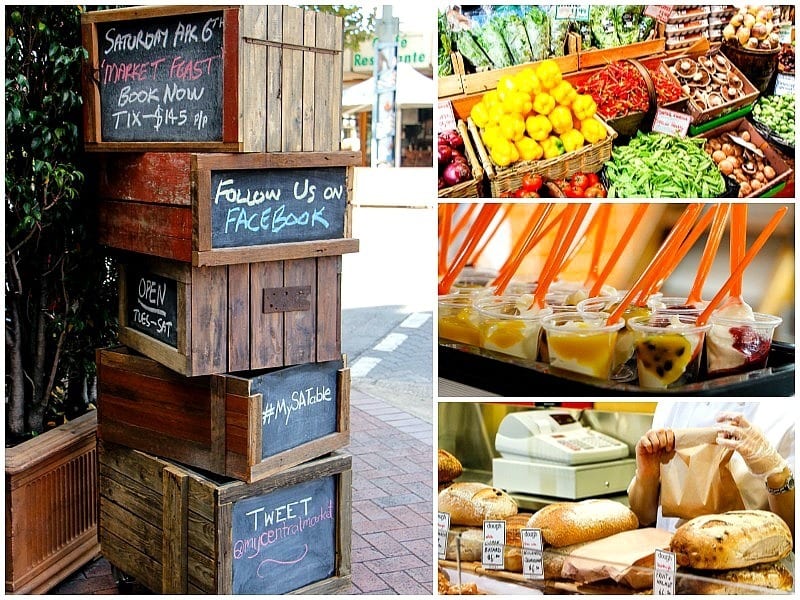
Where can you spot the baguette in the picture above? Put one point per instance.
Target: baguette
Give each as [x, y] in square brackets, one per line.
[472, 503]
[450, 467]
[566, 523]
[731, 540]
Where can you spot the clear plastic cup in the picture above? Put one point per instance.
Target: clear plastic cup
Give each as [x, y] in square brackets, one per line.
[668, 349]
[457, 319]
[506, 325]
[674, 305]
[581, 342]
[738, 345]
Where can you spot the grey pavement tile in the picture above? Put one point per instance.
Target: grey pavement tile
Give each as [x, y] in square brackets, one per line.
[403, 583]
[391, 565]
[388, 501]
[372, 526]
[407, 534]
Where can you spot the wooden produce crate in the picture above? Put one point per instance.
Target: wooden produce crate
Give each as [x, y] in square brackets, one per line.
[472, 188]
[599, 57]
[476, 83]
[213, 209]
[452, 85]
[179, 531]
[783, 171]
[222, 319]
[246, 425]
[212, 78]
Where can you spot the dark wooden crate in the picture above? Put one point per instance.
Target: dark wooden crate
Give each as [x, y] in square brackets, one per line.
[237, 317]
[246, 426]
[164, 204]
[177, 530]
[277, 71]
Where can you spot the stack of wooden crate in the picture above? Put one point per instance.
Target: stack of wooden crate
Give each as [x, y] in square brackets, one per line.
[223, 192]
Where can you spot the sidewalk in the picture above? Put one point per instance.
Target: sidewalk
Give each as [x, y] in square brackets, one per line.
[392, 548]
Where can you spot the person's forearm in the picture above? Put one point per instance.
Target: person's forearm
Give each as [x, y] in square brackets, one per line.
[782, 504]
[643, 498]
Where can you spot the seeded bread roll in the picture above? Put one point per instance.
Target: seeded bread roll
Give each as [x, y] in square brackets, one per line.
[565, 523]
[472, 503]
[450, 467]
[731, 540]
[773, 576]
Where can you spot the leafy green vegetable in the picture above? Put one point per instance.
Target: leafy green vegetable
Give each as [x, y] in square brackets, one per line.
[601, 22]
[646, 25]
[445, 63]
[516, 38]
[490, 38]
[537, 26]
[559, 29]
[626, 22]
[468, 47]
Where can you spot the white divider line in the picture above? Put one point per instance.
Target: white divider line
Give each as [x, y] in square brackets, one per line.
[363, 365]
[415, 320]
[390, 342]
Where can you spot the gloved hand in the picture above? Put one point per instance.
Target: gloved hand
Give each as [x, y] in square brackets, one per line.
[736, 432]
[653, 448]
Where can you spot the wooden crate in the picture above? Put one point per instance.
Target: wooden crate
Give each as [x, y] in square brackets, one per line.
[600, 57]
[223, 319]
[176, 530]
[213, 209]
[476, 83]
[247, 425]
[212, 78]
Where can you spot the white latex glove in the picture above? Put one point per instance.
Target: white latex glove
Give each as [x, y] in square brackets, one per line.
[736, 432]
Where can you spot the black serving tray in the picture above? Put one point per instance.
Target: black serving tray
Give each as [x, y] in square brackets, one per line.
[506, 376]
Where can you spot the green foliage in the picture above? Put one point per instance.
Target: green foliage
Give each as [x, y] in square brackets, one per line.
[60, 293]
[358, 21]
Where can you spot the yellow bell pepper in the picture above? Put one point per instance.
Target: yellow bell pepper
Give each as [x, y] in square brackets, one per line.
[552, 147]
[480, 114]
[584, 107]
[512, 126]
[572, 140]
[593, 130]
[549, 73]
[561, 118]
[502, 152]
[543, 103]
[564, 93]
[529, 149]
[528, 82]
[538, 127]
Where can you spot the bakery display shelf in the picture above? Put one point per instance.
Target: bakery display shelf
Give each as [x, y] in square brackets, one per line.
[508, 376]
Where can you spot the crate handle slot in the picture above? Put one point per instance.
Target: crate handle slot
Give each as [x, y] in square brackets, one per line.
[286, 299]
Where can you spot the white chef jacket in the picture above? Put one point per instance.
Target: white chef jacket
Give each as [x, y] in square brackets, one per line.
[775, 418]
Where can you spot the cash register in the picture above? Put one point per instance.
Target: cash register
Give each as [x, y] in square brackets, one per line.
[550, 453]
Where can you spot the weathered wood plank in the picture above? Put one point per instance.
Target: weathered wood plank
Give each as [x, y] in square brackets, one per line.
[299, 341]
[238, 317]
[150, 177]
[175, 531]
[329, 308]
[267, 329]
[253, 24]
[274, 79]
[292, 79]
[209, 307]
[309, 75]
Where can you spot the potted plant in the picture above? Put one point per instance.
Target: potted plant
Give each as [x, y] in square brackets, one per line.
[59, 304]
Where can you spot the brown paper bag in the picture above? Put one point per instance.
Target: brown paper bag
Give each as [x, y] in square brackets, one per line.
[697, 480]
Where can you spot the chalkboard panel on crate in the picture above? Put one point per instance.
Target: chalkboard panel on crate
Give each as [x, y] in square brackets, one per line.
[232, 318]
[213, 209]
[177, 530]
[212, 78]
[244, 425]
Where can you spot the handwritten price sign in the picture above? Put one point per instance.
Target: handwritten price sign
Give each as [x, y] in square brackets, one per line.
[664, 573]
[443, 528]
[494, 541]
[532, 559]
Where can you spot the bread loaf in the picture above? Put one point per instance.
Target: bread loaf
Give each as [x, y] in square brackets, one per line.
[731, 540]
[514, 524]
[472, 548]
[774, 576]
[472, 503]
[565, 523]
[450, 467]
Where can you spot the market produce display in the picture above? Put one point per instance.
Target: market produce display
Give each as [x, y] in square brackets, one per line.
[454, 167]
[753, 28]
[615, 25]
[710, 81]
[775, 114]
[737, 157]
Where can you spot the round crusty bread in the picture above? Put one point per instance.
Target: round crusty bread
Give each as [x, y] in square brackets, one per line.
[513, 525]
[731, 540]
[472, 548]
[450, 467]
[566, 523]
[773, 576]
[471, 503]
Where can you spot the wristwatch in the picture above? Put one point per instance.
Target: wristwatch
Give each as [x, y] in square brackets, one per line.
[788, 485]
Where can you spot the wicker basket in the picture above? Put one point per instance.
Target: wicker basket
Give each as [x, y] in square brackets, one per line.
[472, 188]
[629, 124]
[502, 180]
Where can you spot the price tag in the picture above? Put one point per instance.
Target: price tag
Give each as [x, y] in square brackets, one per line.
[443, 529]
[573, 12]
[664, 573]
[446, 119]
[784, 84]
[532, 559]
[671, 122]
[660, 12]
[494, 541]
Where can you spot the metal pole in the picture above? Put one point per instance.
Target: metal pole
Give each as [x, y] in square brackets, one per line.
[384, 110]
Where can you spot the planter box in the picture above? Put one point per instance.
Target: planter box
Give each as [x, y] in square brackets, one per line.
[212, 78]
[178, 531]
[211, 320]
[51, 506]
[246, 426]
[212, 209]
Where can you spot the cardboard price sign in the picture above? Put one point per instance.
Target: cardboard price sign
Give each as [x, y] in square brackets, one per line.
[446, 117]
[671, 122]
[443, 528]
[660, 12]
[664, 573]
[494, 542]
[532, 557]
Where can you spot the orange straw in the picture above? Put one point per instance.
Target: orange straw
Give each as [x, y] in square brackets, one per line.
[709, 253]
[674, 238]
[577, 246]
[601, 228]
[738, 272]
[738, 242]
[464, 220]
[535, 231]
[477, 254]
[477, 230]
[444, 236]
[618, 249]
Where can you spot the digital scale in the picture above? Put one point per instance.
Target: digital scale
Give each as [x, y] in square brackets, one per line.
[548, 452]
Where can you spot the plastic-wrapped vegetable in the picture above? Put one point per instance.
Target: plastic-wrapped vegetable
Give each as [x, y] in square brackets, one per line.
[646, 25]
[626, 22]
[559, 28]
[445, 63]
[601, 22]
[490, 38]
[468, 47]
[537, 26]
[516, 38]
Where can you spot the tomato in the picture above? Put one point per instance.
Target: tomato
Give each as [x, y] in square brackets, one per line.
[532, 182]
[595, 191]
[571, 192]
[580, 181]
[529, 194]
[592, 179]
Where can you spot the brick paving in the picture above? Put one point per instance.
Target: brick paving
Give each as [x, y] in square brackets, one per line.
[392, 543]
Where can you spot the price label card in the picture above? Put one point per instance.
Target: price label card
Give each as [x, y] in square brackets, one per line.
[446, 119]
[573, 12]
[660, 12]
[784, 84]
[443, 530]
[494, 541]
[664, 573]
[532, 558]
[671, 122]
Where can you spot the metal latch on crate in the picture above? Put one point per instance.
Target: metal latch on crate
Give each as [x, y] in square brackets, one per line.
[286, 299]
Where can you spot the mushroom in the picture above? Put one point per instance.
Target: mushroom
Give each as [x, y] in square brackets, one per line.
[686, 67]
[749, 167]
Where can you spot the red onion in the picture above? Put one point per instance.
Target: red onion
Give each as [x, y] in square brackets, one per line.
[456, 172]
[445, 153]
